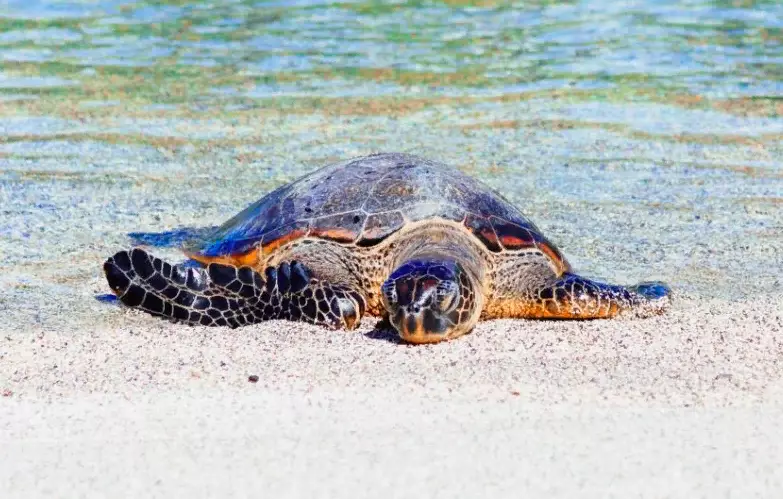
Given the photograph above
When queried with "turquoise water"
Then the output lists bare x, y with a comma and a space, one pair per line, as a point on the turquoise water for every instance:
644, 137
260, 50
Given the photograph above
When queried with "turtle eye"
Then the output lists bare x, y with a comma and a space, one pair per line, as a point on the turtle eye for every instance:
446, 296
389, 294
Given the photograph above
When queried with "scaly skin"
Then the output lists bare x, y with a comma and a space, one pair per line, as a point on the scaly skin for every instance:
323, 247
326, 283
224, 295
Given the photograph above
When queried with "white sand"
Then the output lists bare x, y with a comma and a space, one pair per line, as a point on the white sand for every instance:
685, 405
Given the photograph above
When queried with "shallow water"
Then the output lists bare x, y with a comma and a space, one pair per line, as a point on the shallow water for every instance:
644, 137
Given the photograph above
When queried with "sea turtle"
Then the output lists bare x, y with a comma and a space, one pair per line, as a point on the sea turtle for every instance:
425, 245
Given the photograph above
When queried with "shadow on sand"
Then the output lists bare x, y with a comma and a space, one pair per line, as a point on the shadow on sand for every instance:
383, 330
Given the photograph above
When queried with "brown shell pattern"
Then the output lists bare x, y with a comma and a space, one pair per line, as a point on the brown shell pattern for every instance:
365, 200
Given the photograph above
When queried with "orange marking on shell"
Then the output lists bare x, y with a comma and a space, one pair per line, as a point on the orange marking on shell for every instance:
338, 235
488, 235
272, 246
513, 242
378, 232
249, 259
555, 256
511, 235
483, 230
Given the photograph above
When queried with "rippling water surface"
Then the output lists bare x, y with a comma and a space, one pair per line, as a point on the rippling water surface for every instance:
228, 51
643, 136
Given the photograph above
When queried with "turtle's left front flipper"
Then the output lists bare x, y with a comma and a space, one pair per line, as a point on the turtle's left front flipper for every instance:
224, 295
574, 297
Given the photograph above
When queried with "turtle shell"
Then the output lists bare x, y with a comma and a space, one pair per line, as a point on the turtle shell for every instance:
364, 201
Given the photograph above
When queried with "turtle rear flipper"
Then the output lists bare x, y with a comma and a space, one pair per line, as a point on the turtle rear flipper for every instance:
224, 295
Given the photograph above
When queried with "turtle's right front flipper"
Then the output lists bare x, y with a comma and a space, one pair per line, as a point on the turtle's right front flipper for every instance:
224, 295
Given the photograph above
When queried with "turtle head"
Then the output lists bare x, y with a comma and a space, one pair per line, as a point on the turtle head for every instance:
430, 300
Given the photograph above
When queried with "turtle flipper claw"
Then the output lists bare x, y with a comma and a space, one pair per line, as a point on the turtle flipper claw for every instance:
653, 290
349, 309
650, 298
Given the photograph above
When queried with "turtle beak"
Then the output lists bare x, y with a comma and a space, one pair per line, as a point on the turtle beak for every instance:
424, 326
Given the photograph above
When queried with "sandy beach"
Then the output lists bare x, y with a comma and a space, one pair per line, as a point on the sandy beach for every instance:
547, 409
655, 155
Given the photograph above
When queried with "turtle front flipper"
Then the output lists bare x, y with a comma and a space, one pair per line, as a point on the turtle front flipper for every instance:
574, 297
570, 296
225, 295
